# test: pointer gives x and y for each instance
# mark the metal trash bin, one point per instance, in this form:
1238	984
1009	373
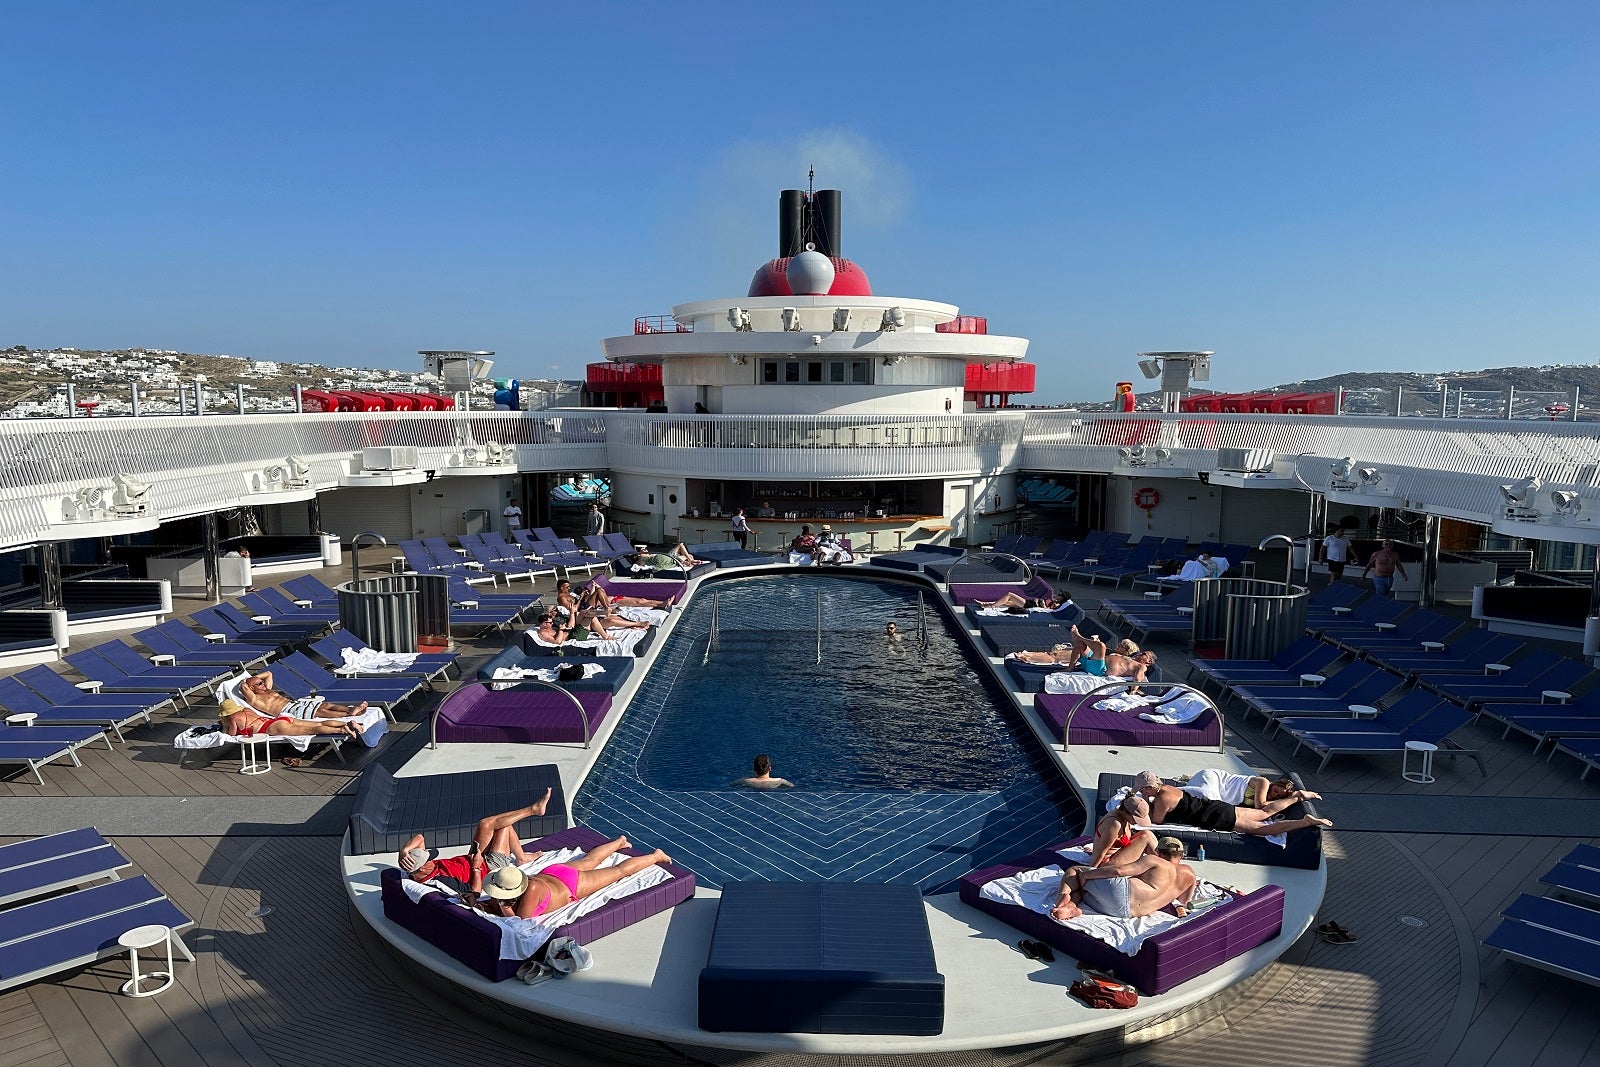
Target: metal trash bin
398	613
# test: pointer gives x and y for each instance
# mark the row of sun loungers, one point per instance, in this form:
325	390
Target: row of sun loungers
1553	934
53	919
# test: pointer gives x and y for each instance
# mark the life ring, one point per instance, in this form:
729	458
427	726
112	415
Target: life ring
1146	498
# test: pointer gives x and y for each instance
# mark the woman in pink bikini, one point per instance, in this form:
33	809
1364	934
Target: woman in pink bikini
513	892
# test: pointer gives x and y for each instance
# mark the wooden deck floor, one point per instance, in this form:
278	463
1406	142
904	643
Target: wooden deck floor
301	985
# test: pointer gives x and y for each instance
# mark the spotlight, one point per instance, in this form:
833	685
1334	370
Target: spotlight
1369	476
737	359
1150	368
841	319
791	320
495	452
893	319
1125	455
1343	469
892	360
1161	455
431	475
131	490
739	319
1566	501
1518	494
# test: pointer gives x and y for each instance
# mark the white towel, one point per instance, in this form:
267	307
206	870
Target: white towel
371	661
1038	891
633	613
1184	708
508	677
1078	682
1214	784
417	890
1125	702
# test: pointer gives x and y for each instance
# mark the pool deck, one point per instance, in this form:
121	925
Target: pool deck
1422	991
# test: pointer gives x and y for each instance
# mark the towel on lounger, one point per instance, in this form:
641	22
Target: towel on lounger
508	677
1181	709
371	661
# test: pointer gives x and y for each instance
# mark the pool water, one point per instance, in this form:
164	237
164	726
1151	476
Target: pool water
909	764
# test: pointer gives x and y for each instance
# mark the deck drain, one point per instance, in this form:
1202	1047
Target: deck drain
261	912
1412	920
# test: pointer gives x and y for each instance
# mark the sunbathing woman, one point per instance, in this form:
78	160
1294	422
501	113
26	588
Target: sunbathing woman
1168	803
1058	656
582	613
1115	834
513	892
1245	790
1015	601
240	721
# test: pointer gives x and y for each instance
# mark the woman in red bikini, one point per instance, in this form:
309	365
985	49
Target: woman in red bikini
1115	835
513	892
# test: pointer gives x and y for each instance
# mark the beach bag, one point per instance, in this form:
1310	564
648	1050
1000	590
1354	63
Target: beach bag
1099	992
570	672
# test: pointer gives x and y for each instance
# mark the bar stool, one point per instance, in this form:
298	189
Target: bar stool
872	542
146	937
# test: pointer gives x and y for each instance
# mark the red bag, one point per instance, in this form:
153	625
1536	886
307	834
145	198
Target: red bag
1100	992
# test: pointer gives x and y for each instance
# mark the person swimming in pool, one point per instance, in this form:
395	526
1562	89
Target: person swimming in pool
514	892
763	778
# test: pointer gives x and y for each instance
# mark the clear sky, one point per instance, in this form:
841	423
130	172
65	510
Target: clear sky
1305	188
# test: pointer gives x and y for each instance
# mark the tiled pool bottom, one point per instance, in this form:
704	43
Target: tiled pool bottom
927	837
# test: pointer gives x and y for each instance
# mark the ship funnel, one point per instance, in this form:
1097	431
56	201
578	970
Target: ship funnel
805	221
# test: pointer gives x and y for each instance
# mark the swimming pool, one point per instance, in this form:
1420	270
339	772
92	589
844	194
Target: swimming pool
910	765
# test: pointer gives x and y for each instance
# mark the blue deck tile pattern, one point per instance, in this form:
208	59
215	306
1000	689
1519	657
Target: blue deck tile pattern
910	768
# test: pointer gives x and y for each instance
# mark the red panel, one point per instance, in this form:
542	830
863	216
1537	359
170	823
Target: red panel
317	400
848	279
612	376
1208	402
1002	377
963	324
1312	404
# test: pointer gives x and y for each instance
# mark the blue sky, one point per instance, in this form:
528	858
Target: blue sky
1303	188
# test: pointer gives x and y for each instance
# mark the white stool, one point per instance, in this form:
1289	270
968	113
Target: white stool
215	639
1496	668
1184	611
163	659
1155	594
146	937
1341	611
1384	627
262	619
89	687
22	718
254	760
1554	696
466	603
1313	679
1424	774
1433	646
304	603
1363	711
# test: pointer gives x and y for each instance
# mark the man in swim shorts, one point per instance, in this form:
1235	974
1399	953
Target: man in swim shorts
1142	886
495	844
1169	804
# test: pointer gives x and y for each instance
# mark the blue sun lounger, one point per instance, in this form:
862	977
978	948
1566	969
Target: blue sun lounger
189	649
16	697
1552	935
49	936
34	746
49	864
1574	878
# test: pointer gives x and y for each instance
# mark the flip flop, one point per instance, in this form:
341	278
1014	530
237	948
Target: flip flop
1046	953
290	761
1331	927
1029	948
1339	937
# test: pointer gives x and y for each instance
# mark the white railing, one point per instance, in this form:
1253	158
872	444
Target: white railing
197	465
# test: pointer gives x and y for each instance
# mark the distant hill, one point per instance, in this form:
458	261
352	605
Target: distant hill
1584	376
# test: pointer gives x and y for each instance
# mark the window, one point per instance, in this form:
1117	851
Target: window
814	371
858	372
769	371
836	372
791	371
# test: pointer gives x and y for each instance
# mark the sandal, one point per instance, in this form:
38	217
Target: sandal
1331	927
1339	937
290	761
1036	950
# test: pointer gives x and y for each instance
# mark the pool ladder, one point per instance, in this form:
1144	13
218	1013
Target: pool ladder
714	634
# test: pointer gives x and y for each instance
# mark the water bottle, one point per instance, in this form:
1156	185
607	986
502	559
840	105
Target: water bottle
1200	854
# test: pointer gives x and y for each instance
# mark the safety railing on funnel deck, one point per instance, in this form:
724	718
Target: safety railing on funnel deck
660	324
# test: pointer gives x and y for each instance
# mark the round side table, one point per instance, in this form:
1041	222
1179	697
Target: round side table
1384	627
1554	696
146	937
1363	711
1313	679
22	718
214	639
1496	668
164	659
1341	610
255	754
1433	646
90	686
1424	773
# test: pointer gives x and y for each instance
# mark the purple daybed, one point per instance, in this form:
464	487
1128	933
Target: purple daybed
529	714
473	938
1091	726
971	593
1164	960
648	588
